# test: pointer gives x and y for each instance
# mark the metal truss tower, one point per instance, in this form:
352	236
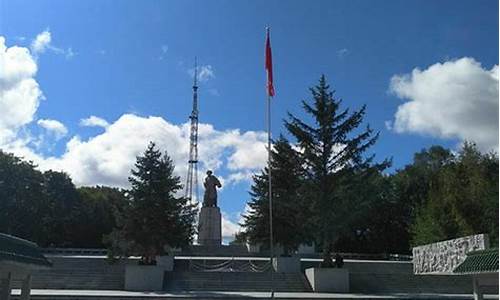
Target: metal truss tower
192	176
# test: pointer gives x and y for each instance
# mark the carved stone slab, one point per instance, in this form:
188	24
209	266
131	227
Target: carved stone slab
443	257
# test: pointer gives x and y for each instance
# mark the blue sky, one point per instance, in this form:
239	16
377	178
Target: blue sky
114	58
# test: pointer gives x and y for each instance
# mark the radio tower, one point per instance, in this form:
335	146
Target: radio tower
192	176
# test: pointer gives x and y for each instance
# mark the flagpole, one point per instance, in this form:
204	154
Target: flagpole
270	93
271	252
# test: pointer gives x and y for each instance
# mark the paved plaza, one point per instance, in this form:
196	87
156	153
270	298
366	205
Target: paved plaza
92	294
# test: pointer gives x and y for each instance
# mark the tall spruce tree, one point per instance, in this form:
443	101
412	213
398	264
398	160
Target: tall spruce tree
335	163
155	217
289	211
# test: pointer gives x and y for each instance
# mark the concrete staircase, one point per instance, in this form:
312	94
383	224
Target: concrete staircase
235	281
95	273
81	273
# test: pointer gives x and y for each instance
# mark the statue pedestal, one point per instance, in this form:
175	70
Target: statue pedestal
209	227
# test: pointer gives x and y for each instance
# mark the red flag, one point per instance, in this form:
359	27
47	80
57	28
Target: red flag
269	66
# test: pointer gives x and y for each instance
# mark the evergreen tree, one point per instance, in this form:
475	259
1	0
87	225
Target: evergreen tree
289	211
334	164
155	216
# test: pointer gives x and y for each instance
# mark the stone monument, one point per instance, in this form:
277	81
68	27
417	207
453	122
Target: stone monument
209	224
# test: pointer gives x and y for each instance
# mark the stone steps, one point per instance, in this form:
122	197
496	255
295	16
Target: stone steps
234	281
80	273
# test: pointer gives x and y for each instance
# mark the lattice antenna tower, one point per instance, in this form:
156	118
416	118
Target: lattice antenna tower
192	176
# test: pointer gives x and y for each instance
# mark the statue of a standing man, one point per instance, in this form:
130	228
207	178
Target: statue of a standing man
211	184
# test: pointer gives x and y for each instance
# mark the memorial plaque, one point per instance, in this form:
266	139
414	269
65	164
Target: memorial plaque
443	257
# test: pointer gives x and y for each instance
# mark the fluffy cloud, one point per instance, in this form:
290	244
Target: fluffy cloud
41	42
53	126
249	148
20	94
455	99
107	158
94	121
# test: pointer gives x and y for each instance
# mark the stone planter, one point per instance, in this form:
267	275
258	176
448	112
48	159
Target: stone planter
286	264
328	279
144	278
166	262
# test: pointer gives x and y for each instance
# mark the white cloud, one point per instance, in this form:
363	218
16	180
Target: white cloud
455	99
53	126
205	73
107	158
41	42
20	94
94	121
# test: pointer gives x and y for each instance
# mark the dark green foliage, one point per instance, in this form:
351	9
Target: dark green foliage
60	209
383	227
47	208
289	211
36	206
335	164
154	216
97	214
21	198
463	199
414	181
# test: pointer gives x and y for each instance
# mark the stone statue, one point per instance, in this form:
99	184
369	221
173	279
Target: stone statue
211	184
